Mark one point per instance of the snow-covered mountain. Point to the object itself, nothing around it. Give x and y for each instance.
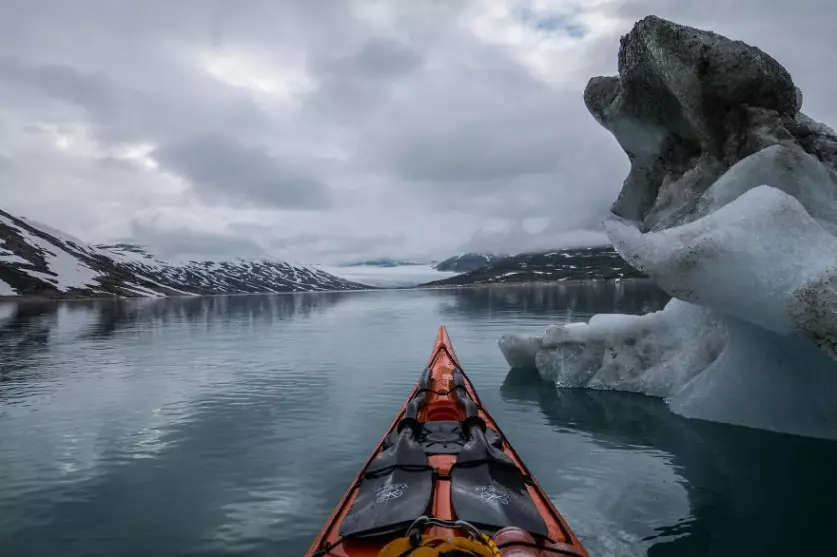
(601, 263)
(36, 260)
(467, 262)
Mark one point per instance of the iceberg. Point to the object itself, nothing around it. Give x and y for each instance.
(730, 206)
(654, 354)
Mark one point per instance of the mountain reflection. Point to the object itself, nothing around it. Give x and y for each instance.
(24, 329)
(116, 314)
(579, 297)
(28, 327)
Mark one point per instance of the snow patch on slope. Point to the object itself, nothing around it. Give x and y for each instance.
(69, 271)
(6, 289)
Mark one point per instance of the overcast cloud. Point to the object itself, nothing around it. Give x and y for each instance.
(334, 130)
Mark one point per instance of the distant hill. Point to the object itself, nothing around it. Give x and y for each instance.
(467, 262)
(36, 260)
(602, 263)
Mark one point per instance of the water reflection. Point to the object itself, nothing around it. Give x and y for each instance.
(218, 426)
(560, 299)
(743, 485)
(158, 426)
(114, 315)
(24, 331)
(27, 328)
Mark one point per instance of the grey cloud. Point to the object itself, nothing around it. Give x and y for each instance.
(385, 59)
(62, 82)
(353, 84)
(330, 246)
(226, 168)
(187, 244)
(116, 112)
(411, 115)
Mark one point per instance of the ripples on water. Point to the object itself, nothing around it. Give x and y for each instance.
(218, 426)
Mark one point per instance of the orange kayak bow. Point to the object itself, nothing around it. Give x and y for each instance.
(444, 468)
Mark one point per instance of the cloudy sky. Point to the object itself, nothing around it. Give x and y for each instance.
(326, 131)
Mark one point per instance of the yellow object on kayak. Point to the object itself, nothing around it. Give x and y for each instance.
(435, 546)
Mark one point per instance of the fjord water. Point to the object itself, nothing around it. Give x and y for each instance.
(232, 426)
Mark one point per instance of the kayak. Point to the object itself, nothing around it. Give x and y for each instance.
(444, 473)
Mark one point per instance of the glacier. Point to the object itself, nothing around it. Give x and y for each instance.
(730, 206)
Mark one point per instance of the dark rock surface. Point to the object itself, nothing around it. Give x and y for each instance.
(686, 106)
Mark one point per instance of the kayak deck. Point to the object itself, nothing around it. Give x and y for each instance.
(445, 457)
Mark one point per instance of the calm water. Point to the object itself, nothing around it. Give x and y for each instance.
(231, 426)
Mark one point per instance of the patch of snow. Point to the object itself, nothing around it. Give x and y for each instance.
(41, 276)
(6, 289)
(130, 257)
(148, 279)
(9, 258)
(63, 236)
(71, 273)
(143, 291)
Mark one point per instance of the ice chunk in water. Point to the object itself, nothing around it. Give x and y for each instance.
(520, 350)
(652, 354)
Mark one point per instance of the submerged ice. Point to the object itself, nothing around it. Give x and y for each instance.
(731, 208)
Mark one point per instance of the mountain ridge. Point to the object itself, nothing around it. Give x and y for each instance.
(468, 262)
(591, 263)
(37, 260)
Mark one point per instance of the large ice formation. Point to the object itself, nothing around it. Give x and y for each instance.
(730, 206)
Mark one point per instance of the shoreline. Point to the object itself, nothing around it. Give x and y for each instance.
(174, 296)
(418, 287)
(630, 280)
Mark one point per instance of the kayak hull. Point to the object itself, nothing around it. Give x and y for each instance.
(443, 456)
